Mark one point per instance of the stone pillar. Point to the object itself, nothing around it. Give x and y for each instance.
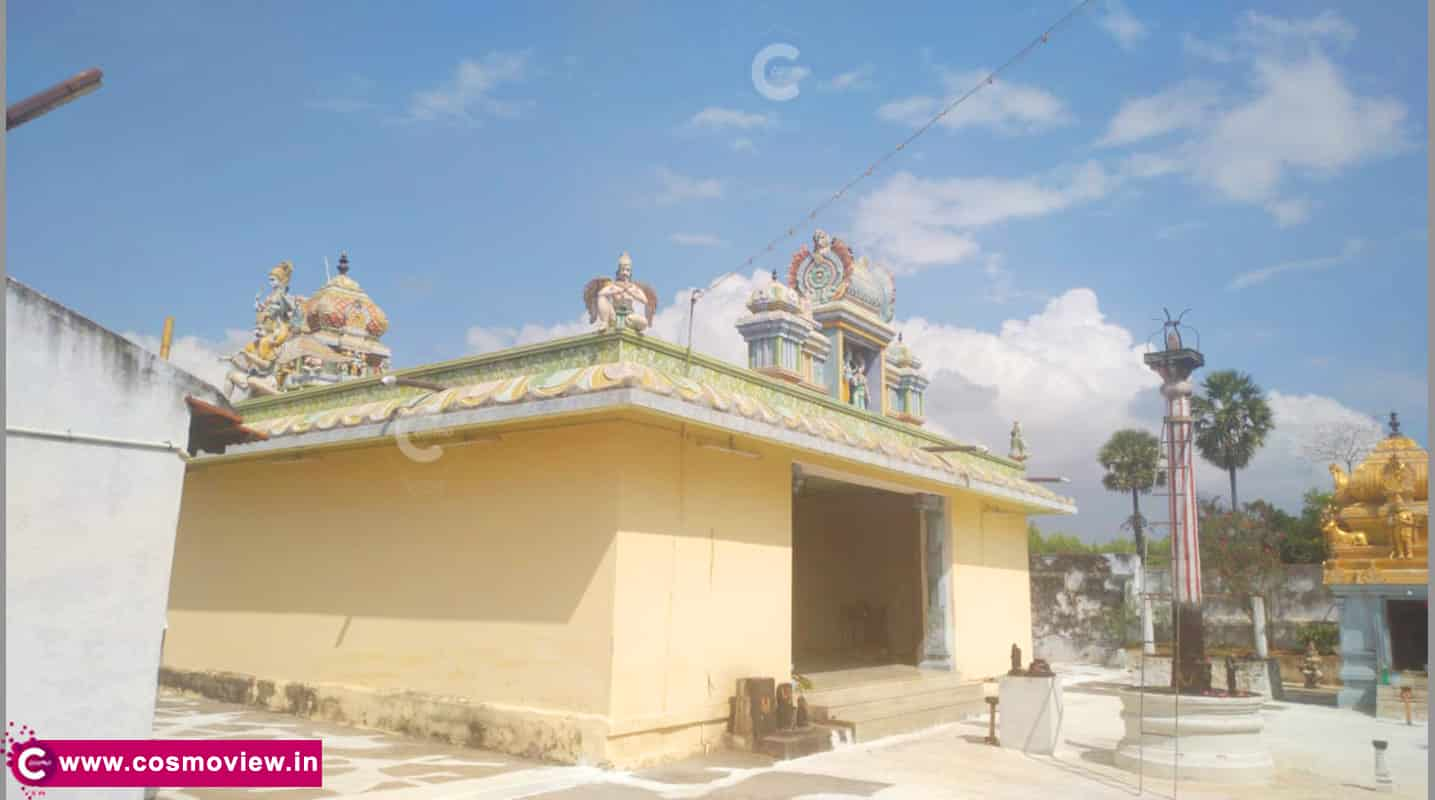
(1258, 618)
(936, 641)
(1359, 643)
(1148, 627)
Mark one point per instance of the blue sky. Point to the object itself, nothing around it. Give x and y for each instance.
(1261, 163)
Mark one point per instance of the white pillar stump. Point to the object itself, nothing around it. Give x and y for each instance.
(1258, 618)
(1029, 712)
(1218, 739)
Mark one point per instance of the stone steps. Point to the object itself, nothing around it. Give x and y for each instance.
(1388, 704)
(893, 701)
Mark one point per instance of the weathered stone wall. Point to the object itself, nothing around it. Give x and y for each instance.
(1085, 607)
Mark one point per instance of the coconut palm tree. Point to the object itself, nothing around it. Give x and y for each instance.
(1131, 459)
(1231, 421)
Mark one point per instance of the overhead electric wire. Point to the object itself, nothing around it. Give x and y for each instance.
(991, 77)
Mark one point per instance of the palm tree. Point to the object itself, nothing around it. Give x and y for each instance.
(1131, 459)
(1231, 421)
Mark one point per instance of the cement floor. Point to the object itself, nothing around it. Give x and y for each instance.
(1320, 752)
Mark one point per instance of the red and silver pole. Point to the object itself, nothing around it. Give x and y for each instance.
(1175, 364)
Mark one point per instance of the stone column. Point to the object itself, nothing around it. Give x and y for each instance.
(936, 644)
(1359, 640)
(1258, 618)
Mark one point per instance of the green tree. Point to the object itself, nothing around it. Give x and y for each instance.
(1231, 421)
(1132, 459)
(1304, 542)
(1241, 549)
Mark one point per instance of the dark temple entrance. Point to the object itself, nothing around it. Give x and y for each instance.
(856, 576)
(1409, 636)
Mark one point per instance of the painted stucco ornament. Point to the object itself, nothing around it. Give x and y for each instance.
(1376, 524)
(1017, 451)
(610, 301)
(329, 337)
(856, 374)
(275, 318)
(822, 273)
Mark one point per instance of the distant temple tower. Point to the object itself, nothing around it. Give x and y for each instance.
(829, 329)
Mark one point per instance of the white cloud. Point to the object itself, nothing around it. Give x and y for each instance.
(677, 188)
(486, 340)
(714, 324)
(200, 357)
(1263, 30)
(1303, 118)
(714, 118)
(1214, 52)
(468, 98)
(1004, 106)
(911, 222)
(696, 240)
(1300, 119)
(852, 80)
(1123, 27)
(1245, 280)
(742, 144)
(1181, 107)
(1150, 165)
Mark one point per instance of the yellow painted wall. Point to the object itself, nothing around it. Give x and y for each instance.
(703, 575)
(615, 568)
(991, 590)
(856, 546)
(487, 574)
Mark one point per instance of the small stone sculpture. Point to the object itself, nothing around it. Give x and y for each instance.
(1015, 660)
(1310, 666)
(1039, 669)
(1017, 452)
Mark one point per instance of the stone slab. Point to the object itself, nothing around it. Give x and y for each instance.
(1029, 713)
(795, 744)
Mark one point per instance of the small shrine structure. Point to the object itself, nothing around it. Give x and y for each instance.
(579, 549)
(298, 342)
(828, 328)
(1376, 532)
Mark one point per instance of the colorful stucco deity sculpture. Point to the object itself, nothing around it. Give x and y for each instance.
(856, 373)
(1017, 451)
(610, 301)
(300, 342)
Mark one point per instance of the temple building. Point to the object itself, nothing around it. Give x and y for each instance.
(1376, 530)
(574, 550)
